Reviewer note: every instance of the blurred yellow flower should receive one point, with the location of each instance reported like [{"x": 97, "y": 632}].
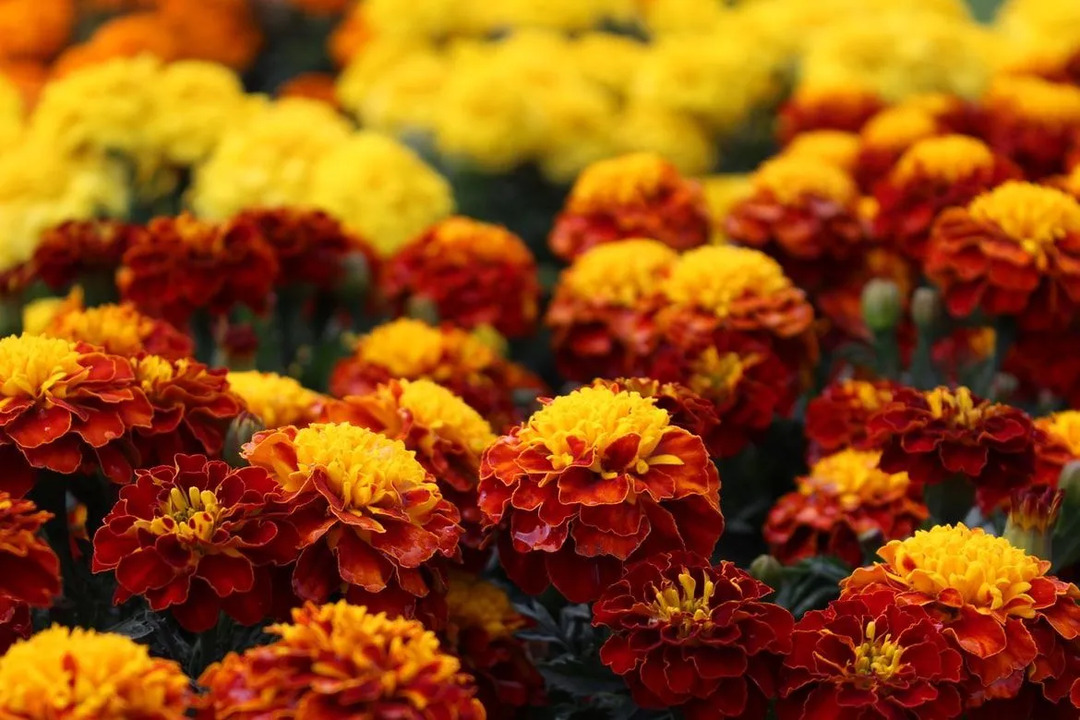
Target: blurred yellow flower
[{"x": 680, "y": 138}]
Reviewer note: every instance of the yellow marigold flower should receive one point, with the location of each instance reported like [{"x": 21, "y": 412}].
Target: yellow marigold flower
[
  {"x": 564, "y": 14},
  {"x": 11, "y": 112},
  {"x": 833, "y": 147},
  {"x": 277, "y": 400},
  {"x": 1035, "y": 98},
  {"x": 609, "y": 60},
  {"x": 84, "y": 675},
  {"x": 792, "y": 178},
  {"x": 1041, "y": 34},
  {"x": 1033, "y": 216},
  {"x": 677, "y": 17},
  {"x": 269, "y": 160},
  {"x": 405, "y": 97},
  {"x": 578, "y": 120},
  {"x": 898, "y": 127},
  {"x": 625, "y": 180},
  {"x": 713, "y": 278},
  {"x": 380, "y": 189},
  {"x": 478, "y": 603},
  {"x": 412, "y": 349},
  {"x": 621, "y": 273},
  {"x": 119, "y": 329},
  {"x": 680, "y": 137},
  {"x": 435, "y": 407},
  {"x": 379, "y": 57},
  {"x": 1063, "y": 426},
  {"x": 39, "y": 314},
  {"x": 854, "y": 478},
  {"x": 949, "y": 157},
  {"x": 430, "y": 20}
]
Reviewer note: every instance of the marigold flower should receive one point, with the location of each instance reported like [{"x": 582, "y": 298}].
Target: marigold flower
[
  {"x": 318, "y": 86},
  {"x": 594, "y": 479},
  {"x": 122, "y": 36},
  {"x": 991, "y": 599},
  {"x": 196, "y": 537},
  {"x": 601, "y": 313},
  {"x": 844, "y": 496},
  {"x": 868, "y": 657},
  {"x": 105, "y": 676},
  {"x": 68, "y": 408},
  {"x": 473, "y": 273},
  {"x": 1032, "y": 121},
  {"x": 932, "y": 175},
  {"x": 1011, "y": 251},
  {"x": 811, "y": 108},
  {"x": 277, "y": 400},
  {"x": 692, "y": 635},
  {"x": 183, "y": 264},
  {"x": 225, "y": 32},
  {"x": 371, "y": 519},
  {"x": 451, "y": 357},
  {"x": 1058, "y": 445},
  {"x": 688, "y": 410},
  {"x": 341, "y": 661},
  {"x": 886, "y": 137},
  {"x": 942, "y": 433},
  {"x": 79, "y": 249},
  {"x": 640, "y": 195},
  {"x": 832, "y": 147},
  {"x": 837, "y": 418},
  {"x": 120, "y": 330},
  {"x": 29, "y": 569}
]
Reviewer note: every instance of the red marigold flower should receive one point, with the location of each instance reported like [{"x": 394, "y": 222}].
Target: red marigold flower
[
  {"x": 1032, "y": 121},
  {"x": 277, "y": 400},
  {"x": 311, "y": 246},
  {"x": 451, "y": 357},
  {"x": 696, "y": 636},
  {"x": 67, "y": 407},
  {"x": 866, "y": 657},
  {"x": 196, "y": 537},
  {"x": 688, "y": 410},
  {"x": 845, "y": 496},
  {"x": 120, "y": 330},
  {"x": 472, "y": 273},
  {"x": 341, "y": 661},
  {"x": 15, "y": 622},
  {"x": 193, "y": 407},
  {"x": 942, "y": 433},
  {"x": 80, "y": 249},
  {"x": 640, "y": 195},
  {"x": 29, "y": 569},
  {"x": 371, "y": 519},
  {"x": 933, "y": 174},
  {"x": 182, "y": 264},
  {"x": 446, "y": 434},
  {"x": 1058, "y": 445},
  {"x": 480, "y": 632},
  {"x": 989, "y": 598},
  {"x": 601, "y": 314},
  {"x": 838, "y": 417},
  {"x": 835, "y": 108},
  {"x": 1011, "y": 251},
  {"x": 592, "y": 480}
]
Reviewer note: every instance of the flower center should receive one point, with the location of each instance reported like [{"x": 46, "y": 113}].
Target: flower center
[
  {"x": 1032, "y": 216},
  {"x": 410, "y": 348},
  {"x": 464, "y": 239},
  {"x": 949, "y": 158},
  {"x": 1063, "y": 426},
  {"x": 444, "y": 413},
  {"x": 626, "y": 180},
  {"x": 715, "y": 277},
  {"x": 853, "y": 477},
  {"x": 277, "y": 400},
  {"x": 877, "y": 657},
  {"x": 715, "y": 375},
  {"x": 898, "y": 128},
  {"x": 681, "y": 605},
  {"x": 869, "y": 396},
  {"x": 31, "y": 365},
  {"x": 153, "y": 370},
  {"x": 793, "y": 178},
  {"x": 833, "y": 147},
  {"x": 120, "y": 328},
  {"x": 193, "y": 516},
  {"x": 958, "y": 408},
  {"x": 620, "y": 273}
]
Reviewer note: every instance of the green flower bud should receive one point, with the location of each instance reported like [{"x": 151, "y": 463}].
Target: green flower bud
[{"x": 881, "y": 305}]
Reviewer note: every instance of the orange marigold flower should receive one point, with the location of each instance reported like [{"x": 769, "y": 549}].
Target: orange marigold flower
[
  {"x": 121, "y": 36},
  {"x": 837, "y": 418},
  {"x": 866, "y": 657},
  {"x": 1032, "y": 121},
  {"x": 844, "y": 496},
  {"x": 480, "y": 631},
  {"x": 690, "y": 635},
  {"x": 341, "y": 661},
  {"x": 592, "y": 480},
  {"x": 120, "y": 330},
  {"x": 225, "y": 31},
  {"x": 1058, "y": 445},
  {"x": 33, "y": 29},
  {"x": 446, "y": 434},
  {"x": 932, "y": 175},
  {"x": 29, "y": 569},
  {"x": 1014, "y": 250},
  {"x": 601, "y": 314},
  {"x": 183, "y": 264},
  {"x": 81, "y": 249},
  {"x": 640, "y": 195},
  {"x": 371, "y": 519},
  {"x": 196, "y": 537},
  {"x": 461, "y": 362},
  {"x": 472, "y": 273},
  {"x": 277, "y": 400},
  {"x": 808, "y": 109},
  {"x": 943, "y": 433},
  {"x": 311, "y": 86},
  {"x": 66, "y": 407},
  {"x": 193, "y": 407},
  {"x": 989, "y": 598}
]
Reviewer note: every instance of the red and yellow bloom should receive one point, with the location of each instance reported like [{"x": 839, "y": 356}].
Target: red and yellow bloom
[
  {"x": 29, "y": 569},
  {"x": 594, "y": 479},
  {"x": 1058, "y": 445},
  {"x": 82, "y": 249},
  {"x": 1033, "y": 122},
  {"x": 826, "y": 108},
  {"x": 886, "y": 137},
  {"x": 277, "y": 400},
  {"x": 120, "y": 330},
  {"x": 837, "y": 418}
]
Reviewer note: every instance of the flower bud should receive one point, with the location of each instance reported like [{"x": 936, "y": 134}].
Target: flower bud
[
  {"x": 1032, "y": 518},
  {"x": 925, "y": 307},
  {"x": 356, "y": 277},
  {"x": 240, "y": 432},
  {"x": 768, "y": 570},
  {"x": 881, "y": 304}
]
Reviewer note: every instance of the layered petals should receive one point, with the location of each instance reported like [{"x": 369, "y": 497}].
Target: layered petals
[{"x": 29, "y": 569}]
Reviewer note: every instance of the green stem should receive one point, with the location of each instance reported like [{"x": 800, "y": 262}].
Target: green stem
[{"x": 1004, "y": 336}]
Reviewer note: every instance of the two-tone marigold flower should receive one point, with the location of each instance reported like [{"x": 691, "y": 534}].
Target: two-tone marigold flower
[
  {"x": 837, "y": 418},
  {"x": 826, "y": 108},
  {"x": 601, "y": 313},
  {"x": 82, "y": 250},
  {"x": 29, "y": 569},
  {"x": 592, "y": 480},
  {"x": 838, "y": 148},
  {"x": 888, "y": 135},
  {"x": 844, "y": 496},
  {"x": 197, "y": 537},
  {"x": 68, "y": 408},
  {"x": 182, "y": 264},
  {"x": 641, "y": 195},
  {"x": 62, "y": 673},
  {"x": 942, "y": 433},
  {"x": 277, "y": 400},
  {"x": 1057, "y": 445},
  {"x": 1032, "y": 121},
  {"x": 867, "y": 656},
  {"x": 120, "y": 330},
  {"x": 692, "y": 635},
  {"x": 472, "y": 274},
  {"x": 1010, "y": 621},
  {"x": 371, "y": 519},
  {"x": 451, "y": 357},
  {"x": 341, "y": 661},
  {"x": 1011, "y": 251},
  {"x": 932, "y": 175}
]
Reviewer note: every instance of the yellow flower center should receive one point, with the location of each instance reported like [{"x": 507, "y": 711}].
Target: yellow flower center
[
  {"x": 713, "y": 374},
  {"x": 477, "y": 603},
  {"x": 620, "y": 273},
  {"x": 988, "y": 572},
  {"x": 277, "y": 400},
  {"x": 878, "y": 657},
  {"x": 444, "y": 413},
  {"x": 629, "y": 179},
  {"x": 713, "y": 278},
  {"x": 153, "y": 370},
  {"x": 1063, "y": 426},
  {"x": 412, "y": 349},
  {"x": 1033, "y": 216},
  {"x": 793, "y": 178},
  {"x": 832, "y": 147},
  {"x": 682, "y": 605},
  {"x": 958, "y": 407},
  {"x": 597, "y": 417},
  {"x": 1035, "y": 98},
  {"x": 853, "y": 477},
  {"x": 193, "y": 516},
  {"x": 949, "y": 158},
  {"x": 899, "y": 127},
  {"x": 118, "y": 328},
  {"x": 466, "y": 240},
  {"x": 31, "y": 365},
  {"x": 869, "y": 396}
]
